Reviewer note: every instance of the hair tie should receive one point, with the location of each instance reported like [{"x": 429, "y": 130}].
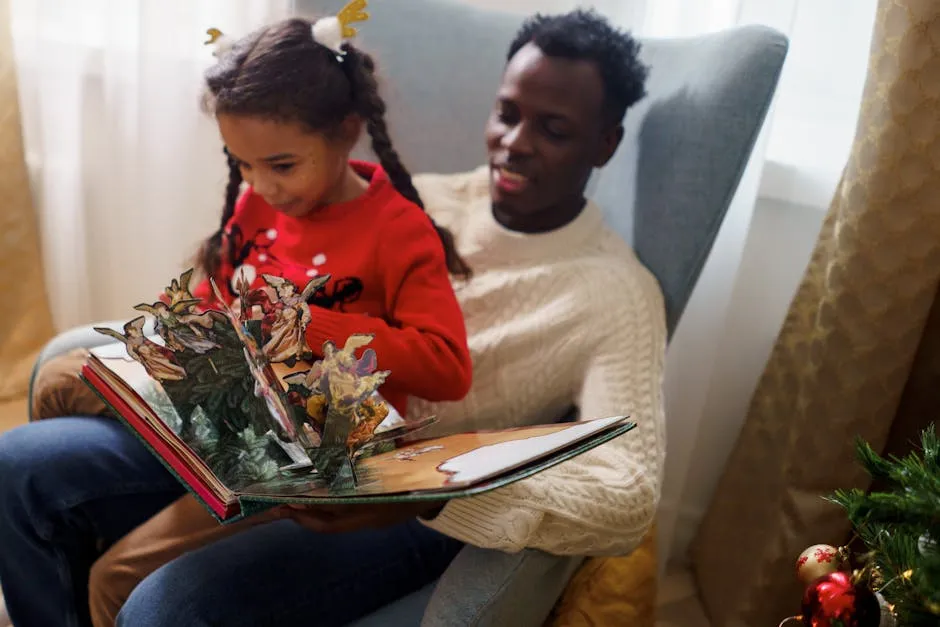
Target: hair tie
[{"x": 331, "y": 32}]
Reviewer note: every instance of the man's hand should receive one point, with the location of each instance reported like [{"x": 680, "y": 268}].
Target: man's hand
[{"x": 346, "y": 518}]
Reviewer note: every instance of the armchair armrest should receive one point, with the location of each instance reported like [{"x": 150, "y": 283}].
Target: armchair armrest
[
  {"x": 78, "y": 337},
  {"x": 485, "y": 588}
]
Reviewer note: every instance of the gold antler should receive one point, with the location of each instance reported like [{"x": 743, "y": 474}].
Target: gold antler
[
  {"x": 351, "y": 13},
  {"x": 214, "y": 35}
]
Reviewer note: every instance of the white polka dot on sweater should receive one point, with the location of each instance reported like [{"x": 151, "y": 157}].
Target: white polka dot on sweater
[
  {"x": 319, "y": 259},
  {"x": 312, "y": 272},
  {"x": 246, "y": 270},
  {"x": 271, "y": 233}
]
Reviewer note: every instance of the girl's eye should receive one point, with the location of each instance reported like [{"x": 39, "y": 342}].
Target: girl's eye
[{"x": 282, "y": 168}]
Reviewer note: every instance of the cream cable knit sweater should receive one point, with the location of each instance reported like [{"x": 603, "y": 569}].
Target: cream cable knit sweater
[{"x": 558, "y": 319}]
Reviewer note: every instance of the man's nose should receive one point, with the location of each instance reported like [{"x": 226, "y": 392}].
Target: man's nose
[{"x": 518, "y": 139}]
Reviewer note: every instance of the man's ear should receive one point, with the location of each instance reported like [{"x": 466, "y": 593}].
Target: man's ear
[{"x": 609, "y": 143}]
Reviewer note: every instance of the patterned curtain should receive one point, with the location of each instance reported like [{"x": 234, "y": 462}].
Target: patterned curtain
[
  {"x": 859, "y": 351},
  {"x": 25, "y": 323}
]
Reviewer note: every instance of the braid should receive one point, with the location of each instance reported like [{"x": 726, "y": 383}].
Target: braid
[
  {"x": 372, "y": 108},
  {"x": 210, "y": 254}
]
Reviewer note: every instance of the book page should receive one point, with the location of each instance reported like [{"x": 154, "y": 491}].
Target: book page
[
  {"x": 236, "y": 456},
  {"x": 445, "y": 464}
]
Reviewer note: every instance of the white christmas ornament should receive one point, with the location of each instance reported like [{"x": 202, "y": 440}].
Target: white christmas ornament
[
  {"x": 246, "y": 271},
  {"x": 926, "y": 544}
]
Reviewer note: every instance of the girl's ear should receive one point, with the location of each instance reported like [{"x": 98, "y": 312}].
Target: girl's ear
[{"x": 350, "y": 130}]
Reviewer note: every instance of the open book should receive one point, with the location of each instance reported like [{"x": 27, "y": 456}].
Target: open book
[{"x": 236, "y": 405}]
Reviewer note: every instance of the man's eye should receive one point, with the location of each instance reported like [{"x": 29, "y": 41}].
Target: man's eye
[
  {"x": 507, "y": 115},
  {"x": 556, "y": 132},
  {"x": 282, "y": 168}
]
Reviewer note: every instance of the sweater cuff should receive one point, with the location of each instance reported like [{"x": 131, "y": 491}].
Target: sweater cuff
[
  {"x": 328, "y": 325},
  {"x": 487, "y": 521}
]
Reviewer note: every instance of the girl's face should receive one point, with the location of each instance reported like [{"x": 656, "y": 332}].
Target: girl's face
[{"x": 294, "y": 170}]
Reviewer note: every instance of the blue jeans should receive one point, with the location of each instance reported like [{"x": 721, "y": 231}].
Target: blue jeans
[{"x": 70, "y": 487}]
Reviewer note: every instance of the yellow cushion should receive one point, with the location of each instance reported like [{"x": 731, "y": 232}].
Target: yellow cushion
[{"x": 611, "y": 591}]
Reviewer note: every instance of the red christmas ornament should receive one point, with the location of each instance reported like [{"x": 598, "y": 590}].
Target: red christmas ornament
[{"x": 834, "y": 601}]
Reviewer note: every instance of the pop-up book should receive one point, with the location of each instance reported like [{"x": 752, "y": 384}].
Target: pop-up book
[{"x": 233, "y": 400}]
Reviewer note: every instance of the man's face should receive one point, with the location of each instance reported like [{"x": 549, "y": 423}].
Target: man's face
[{"x": 546, "y": 133}]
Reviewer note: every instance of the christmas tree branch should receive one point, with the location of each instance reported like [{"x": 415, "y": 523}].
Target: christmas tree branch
[{"x": 900, "y": 527}]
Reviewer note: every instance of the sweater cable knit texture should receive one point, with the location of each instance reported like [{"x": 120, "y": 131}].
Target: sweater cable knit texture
[{"x": 555, "y": 320}]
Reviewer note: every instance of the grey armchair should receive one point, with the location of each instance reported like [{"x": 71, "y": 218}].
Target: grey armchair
[{"x": 666, "y": 192}]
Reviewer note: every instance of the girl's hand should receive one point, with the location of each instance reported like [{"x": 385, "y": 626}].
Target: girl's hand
[{"x": 346, "y": 518}]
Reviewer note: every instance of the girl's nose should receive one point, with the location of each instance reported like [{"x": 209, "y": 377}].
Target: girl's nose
[{"x": 263, "y": 185}]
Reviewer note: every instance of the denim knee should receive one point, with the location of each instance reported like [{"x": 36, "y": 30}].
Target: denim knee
[
  {"x": 17, "y": 452},
  {"x": 164, "y": 599},
  {"x": 20, "y": 461}
]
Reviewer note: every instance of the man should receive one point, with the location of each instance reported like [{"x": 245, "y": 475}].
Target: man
[{"x": 559, "y": 313}]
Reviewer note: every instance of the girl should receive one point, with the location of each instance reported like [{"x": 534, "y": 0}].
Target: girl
[
  {"x": 290, "y": 111},
  {"x": 291, "y": 102}
]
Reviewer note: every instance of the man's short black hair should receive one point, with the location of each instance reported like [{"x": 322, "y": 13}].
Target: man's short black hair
[{"x": 585, "y": 35}]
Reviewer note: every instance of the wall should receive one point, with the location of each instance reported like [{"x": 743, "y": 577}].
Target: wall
[{"x": 619, "y": 10}]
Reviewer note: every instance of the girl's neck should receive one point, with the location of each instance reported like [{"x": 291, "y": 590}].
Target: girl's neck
[{"x": 351, "y": 187}]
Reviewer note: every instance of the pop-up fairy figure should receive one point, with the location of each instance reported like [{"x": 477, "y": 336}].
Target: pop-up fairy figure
[
  {"x": 177, "y": 322},
  {"x": 286, "y": 317},
  {"x": 344, "y": 382},
  {"x": 179, "y": 327},
  {"x": 179, "y": 291},
  {"x": 158, "y": 360}
]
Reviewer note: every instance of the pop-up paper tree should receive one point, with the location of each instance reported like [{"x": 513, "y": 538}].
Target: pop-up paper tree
[{"x": 222, "y": 362}]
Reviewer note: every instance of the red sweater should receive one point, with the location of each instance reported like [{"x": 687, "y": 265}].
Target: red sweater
[{"x": 389, "y": 277}]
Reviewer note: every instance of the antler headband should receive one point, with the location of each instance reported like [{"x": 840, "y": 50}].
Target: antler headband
[{"x": 330, "y": 32}]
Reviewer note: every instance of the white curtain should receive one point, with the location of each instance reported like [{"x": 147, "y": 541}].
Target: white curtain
[
  {"x": 127, "y": 171},
  {"x": 795, "y": 165}
]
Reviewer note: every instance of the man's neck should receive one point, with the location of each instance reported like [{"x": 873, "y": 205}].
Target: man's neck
[{"x": 542, "y": 222}]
